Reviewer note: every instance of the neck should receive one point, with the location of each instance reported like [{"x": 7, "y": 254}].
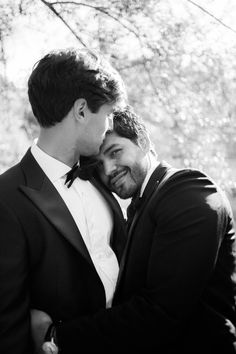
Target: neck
[
  {"x": 152, "y": 163},
  {"x": 56, "y": 143},
  {"x": 152, "y": 160}
]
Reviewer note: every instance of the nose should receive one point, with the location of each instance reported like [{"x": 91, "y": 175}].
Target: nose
[
  {"x": 110, "y": 122},
  {"x": 109, "y": 167}
]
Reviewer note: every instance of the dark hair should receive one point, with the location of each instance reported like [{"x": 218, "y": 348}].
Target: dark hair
[
  {"x": 63, "y": 76},
  {"x": 128, "y": 124}
]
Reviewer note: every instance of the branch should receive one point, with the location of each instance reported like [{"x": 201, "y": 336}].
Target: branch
[
  {"x": 99, "y": 9},
  {"x": 103, "y": 10},
  {"x": 50, "y": 6},
  {"x": 211, "y": 15},
  {"x": 115, "y": 18}
]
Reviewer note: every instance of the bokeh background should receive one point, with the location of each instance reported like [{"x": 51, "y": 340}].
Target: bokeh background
[{"x": 177, "y": 59}]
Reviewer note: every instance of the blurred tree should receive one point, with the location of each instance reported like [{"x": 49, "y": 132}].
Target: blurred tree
[
  {"x": 177, "y": 64},
  {"x": 12, "y": 138}
]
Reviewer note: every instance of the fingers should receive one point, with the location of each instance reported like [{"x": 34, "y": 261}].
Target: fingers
[{"x": 49, "y": 348}]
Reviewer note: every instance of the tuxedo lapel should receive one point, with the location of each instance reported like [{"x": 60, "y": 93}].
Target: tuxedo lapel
[
  {"x": 43, "y": 194},
  {"x": 153, "y": 183}
]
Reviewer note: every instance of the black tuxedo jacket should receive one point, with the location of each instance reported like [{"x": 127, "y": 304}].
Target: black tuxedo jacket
[
  {"x": 44, "y": 262},
  {"x": 176, "y": 288}
]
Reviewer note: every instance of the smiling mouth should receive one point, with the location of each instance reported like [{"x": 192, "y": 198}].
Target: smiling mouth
[{"x": 117, "y": 179}]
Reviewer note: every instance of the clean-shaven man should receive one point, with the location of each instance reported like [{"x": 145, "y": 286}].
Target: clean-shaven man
[{"x": 60, "y": 242}]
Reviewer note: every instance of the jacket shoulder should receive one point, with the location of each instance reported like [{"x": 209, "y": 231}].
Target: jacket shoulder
[
  {"x": 184, "y": 184},
  {"x": 11, "y": 177},
  {"x": 190, "y": 176}
]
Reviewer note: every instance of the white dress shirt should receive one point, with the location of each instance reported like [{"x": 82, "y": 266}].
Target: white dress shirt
[
  {"x": 91, "y": 214},
  {"x": 153, "y": 163}
]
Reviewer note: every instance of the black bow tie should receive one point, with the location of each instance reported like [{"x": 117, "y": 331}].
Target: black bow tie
[{"x": 84, "y": 172}]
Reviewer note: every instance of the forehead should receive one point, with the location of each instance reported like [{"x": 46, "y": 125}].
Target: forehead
[{"x": 113, "y": 140}]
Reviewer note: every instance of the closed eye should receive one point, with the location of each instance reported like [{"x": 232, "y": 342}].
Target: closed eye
[{"x": 115, "y": 153}]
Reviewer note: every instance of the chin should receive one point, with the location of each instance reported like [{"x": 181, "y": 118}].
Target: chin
[
  {"x": 124, "y": 193},
  {"x": 127, "y": 190}
]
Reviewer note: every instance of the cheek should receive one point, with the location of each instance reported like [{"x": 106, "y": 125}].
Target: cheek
[
  {"x": 103, "y": 177},
  {"x": 126, "y": 160},
  {"x": 102, "y": 127}
]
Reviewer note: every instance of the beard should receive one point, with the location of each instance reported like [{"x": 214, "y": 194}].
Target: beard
[{"x": 127, "y": 181}]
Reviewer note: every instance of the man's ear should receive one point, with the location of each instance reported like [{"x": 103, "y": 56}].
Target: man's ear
[
  {"x": 79, "y": 108},
  {"x": 144, "y": 142}
]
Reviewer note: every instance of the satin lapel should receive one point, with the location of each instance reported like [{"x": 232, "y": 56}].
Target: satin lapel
[
  {"x": 43, "y": 194},
  {"x": 153, "y": 182},
  {"x": 119, "y": 236}
]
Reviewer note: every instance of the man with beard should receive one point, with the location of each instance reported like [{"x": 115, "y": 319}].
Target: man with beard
[{"x": 176, "y": 286}]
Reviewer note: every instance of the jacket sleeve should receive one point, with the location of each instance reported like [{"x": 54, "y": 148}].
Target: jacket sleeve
[{"x": 14, "y": 292}]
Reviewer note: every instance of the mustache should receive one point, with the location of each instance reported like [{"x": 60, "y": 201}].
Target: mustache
[{"x": 113, "y": 176}]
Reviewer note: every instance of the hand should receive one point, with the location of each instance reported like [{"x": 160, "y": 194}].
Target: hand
[
  {"x": 40, "y": 322},
  {"x": 49, "y": 348}
]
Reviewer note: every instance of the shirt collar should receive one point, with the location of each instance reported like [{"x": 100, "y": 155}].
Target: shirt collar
[
  {"x": 53, "y": 168},
  {"x": 153, "y": 163}
]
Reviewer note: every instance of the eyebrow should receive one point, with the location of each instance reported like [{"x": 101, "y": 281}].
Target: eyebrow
[{"x": 110, "y": 148}]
